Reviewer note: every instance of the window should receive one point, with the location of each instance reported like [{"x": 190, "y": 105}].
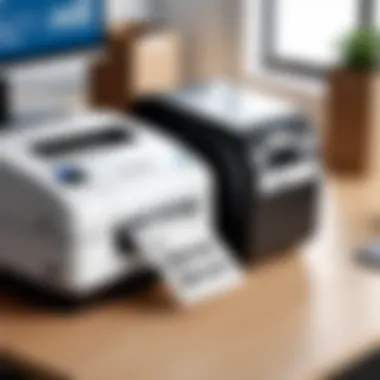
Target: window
[{"x": 301, "y": 36}]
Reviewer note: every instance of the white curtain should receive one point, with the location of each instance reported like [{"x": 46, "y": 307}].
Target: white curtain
[{"x": 212, "y": 32}]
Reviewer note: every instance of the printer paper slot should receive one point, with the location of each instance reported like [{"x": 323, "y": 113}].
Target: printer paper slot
[{"x": 107, "y": 138}]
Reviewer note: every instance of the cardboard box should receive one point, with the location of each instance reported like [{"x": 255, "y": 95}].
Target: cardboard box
[
  {"x": 155, "y": 63},
  {"x": 139, "y": 59}
]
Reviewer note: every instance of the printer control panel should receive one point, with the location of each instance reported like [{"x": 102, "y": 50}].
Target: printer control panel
[
  {"x": 284, "y": 155},
  {"x": 108, "y": 158}
]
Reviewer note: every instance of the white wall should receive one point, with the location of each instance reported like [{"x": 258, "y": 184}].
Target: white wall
[
  {"x": 128, "y": 9},
  {"x": 212, "y": 31}
]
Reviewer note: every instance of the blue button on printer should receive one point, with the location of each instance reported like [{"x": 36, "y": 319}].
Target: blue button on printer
[{"x": 69, "y": 175}]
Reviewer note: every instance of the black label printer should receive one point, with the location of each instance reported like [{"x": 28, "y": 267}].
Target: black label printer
[{"x": 264, "y": 156}]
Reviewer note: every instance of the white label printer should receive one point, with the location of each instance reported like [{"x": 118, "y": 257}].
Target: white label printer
[{"x": 79, "y": 200}]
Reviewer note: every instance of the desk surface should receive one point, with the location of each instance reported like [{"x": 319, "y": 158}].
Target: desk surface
[{"x": 294, "y": 319}]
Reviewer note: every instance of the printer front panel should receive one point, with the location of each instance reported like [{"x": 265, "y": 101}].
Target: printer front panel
[
  {"x": 104, "y": 247},
  {"x": 33, "y": 240},
  {"x": 284, "y": 155},
  {"x": 286, "y": 183}
]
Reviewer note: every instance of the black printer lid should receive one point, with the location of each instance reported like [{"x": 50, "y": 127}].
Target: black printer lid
[{"x": 233, "y": 106}]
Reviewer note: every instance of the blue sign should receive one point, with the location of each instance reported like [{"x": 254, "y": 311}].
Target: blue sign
[{"x": 31, "y": 28}]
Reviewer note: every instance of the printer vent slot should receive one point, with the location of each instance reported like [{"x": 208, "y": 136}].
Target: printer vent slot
[
  {"x": 284, "y": 157},
  {"x": 57, "y": 147}
]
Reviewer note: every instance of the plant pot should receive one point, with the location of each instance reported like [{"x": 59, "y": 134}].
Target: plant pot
[{"x": 353, "y": 119}]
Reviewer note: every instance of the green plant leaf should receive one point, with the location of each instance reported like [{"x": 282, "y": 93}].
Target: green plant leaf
[{"x": 360, "y": 50}]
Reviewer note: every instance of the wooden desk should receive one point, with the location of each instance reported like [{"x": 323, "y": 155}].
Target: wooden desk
[{"x": 294, "y": 318}]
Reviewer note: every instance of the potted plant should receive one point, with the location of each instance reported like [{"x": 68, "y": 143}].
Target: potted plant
[{"x": 354, "y": 88}]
